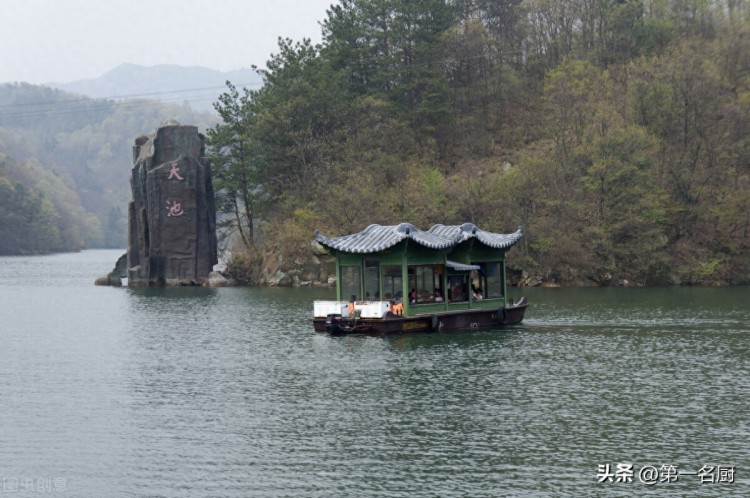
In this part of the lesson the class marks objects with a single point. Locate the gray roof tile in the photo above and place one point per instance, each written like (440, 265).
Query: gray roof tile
(376, 238)
(469, 230)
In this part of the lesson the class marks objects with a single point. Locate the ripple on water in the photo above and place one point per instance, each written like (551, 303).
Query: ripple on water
(228, 392)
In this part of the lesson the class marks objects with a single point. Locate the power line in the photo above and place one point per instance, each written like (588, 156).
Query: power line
(100, 104)
(140, 95)
(126, 105)
(104, 103)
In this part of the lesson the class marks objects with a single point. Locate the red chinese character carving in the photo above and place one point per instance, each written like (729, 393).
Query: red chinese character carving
(174, 208)
(174, 172)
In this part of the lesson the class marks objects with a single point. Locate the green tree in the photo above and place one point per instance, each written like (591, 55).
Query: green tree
(393, 49)
(28, 223)
(297, 111)
(235, 163)
(627, 210)
(567, 94)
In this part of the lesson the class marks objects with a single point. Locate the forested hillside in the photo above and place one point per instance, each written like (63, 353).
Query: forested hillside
(65, 166)
(614, 132)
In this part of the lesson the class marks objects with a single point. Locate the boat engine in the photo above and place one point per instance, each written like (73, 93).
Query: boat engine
(333, 323)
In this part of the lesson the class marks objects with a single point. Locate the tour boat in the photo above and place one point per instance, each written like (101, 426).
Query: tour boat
(398, 278)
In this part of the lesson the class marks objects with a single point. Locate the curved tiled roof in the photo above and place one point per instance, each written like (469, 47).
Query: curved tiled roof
(376, 238)
(469, 230)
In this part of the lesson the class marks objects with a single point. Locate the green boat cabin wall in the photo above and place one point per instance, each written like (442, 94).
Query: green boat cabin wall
(406, 253)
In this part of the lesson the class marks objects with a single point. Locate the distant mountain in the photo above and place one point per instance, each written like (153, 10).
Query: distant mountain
(198, 86)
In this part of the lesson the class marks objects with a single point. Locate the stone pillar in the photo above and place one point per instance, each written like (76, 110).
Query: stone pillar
(172, 216)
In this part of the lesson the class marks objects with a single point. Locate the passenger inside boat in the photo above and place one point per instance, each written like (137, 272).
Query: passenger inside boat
(458, 292)
(487, 282)
(476, 293)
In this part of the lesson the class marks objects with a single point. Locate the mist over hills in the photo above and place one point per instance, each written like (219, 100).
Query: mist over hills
(66, 149)
(198, 86)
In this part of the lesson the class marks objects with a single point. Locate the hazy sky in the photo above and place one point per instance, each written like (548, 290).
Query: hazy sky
(66, 40)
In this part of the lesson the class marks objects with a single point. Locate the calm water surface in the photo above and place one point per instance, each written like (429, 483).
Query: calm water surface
(117, 392)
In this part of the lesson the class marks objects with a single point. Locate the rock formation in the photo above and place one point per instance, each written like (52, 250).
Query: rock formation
(114, 278)
(172, 216)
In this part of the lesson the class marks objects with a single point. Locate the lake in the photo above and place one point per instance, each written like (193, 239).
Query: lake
(192, 392)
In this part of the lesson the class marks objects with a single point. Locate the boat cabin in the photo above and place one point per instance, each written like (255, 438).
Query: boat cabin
(406, 271)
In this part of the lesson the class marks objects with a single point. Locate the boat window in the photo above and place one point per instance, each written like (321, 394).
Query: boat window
(425, 284)
(495, 280)
(372, 280)
(487, 282)
(458, 288)
(350, 282)
(392, 282)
